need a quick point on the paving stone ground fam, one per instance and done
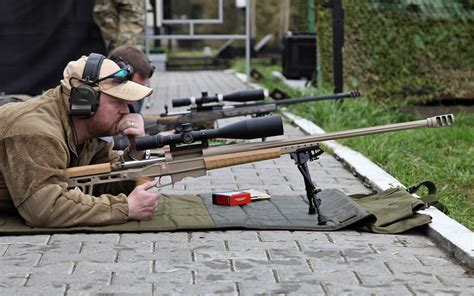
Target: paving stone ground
(233, 262)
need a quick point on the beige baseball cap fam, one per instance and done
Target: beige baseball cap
(127, 90)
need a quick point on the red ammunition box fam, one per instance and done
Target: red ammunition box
(231, 198)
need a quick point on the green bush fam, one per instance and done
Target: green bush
(403, 51)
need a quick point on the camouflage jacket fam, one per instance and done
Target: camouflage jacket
(37, 144)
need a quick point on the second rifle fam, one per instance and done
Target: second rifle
(201, 113)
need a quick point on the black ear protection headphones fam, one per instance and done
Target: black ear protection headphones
(84, 99)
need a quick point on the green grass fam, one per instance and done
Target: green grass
(442, 155)
(188, 53)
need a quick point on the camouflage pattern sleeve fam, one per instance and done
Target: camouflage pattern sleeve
(121, 21)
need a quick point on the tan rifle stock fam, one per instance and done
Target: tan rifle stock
(156, 118)
(196, 162)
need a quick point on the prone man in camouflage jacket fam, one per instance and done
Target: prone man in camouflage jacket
(42, 137)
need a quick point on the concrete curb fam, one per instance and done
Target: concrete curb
(454, 237)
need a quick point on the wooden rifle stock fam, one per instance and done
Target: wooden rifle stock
(94, 169)
(226, 160)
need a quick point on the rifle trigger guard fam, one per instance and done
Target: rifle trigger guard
(159, 185)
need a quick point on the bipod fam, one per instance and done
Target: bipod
(301, 158)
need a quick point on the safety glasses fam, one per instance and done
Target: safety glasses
(122, 75)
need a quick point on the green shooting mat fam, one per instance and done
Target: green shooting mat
(191, 212)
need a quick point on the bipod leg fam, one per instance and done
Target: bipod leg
(301, 158)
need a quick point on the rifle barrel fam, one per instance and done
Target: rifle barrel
(436, 121)
(352, 94)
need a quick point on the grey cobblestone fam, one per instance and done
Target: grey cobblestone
(54, 249)
(250, 180)
(247, 277)
(12, 280)
(92, 279)
(204, 254)
(27, 239)
(176, 277)
(279, 289)
(207, 288)
(426, 260)
(268, 164)
(31, 264)
(137, 247)
(223, 188)
(3, 249)
(175, 255)
(93, 237)
(84, 267)
(126, 288)
(42, 290)
(238, 245)
(329, 264)
(225, 179)
(413, 279)
(68, 257)
(457, 280)
(215, 265)
(277, 236)
(419, 289)
(171, 237)
(199, 237)
(196, 187)
(316, 278)
(273, 180)
(176, 191)
(427, 251)
(280, 254)
(258, 266)
(341, 288)
(248, 171)
(400, 267)
(283, 191)
(223, 172)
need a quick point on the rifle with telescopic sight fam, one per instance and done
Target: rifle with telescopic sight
(204, 111)
(190, 156)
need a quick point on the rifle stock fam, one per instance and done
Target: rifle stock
(222, 161)
(156, 118)
(101, 168)
(195, 162)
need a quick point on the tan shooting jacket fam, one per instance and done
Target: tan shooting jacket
(37, 145)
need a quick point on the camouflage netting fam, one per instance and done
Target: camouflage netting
(403, 50)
